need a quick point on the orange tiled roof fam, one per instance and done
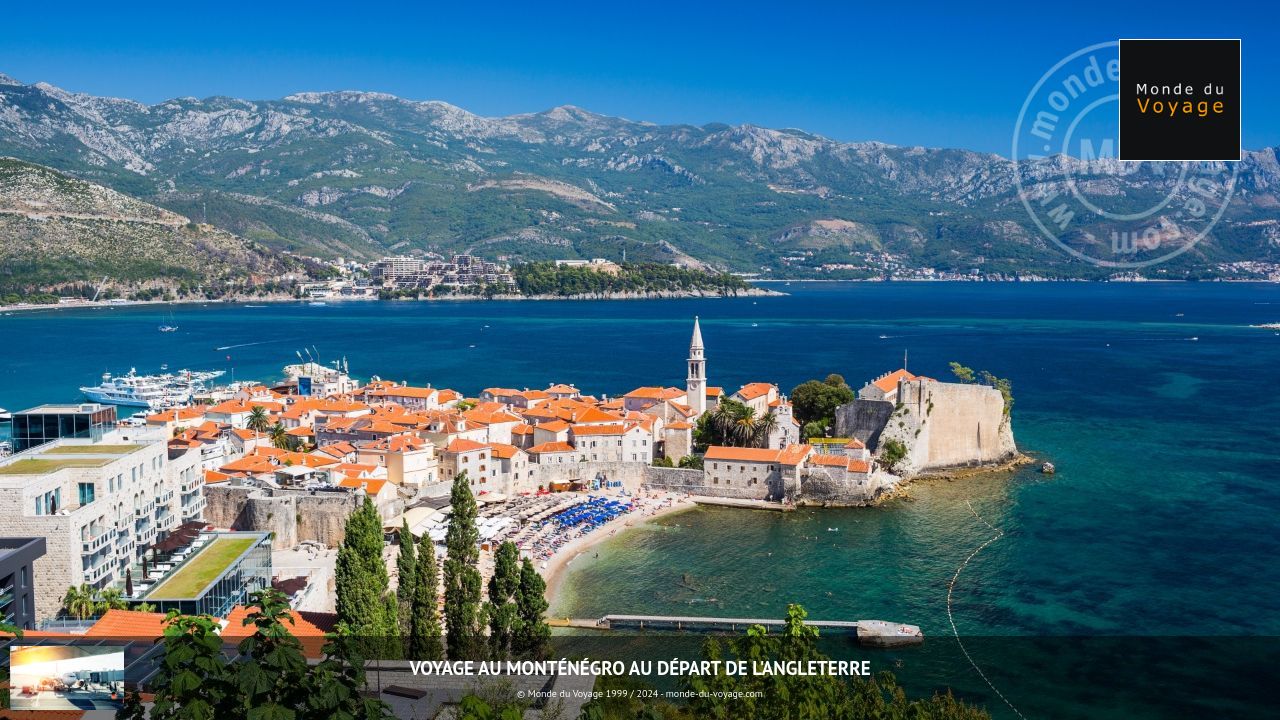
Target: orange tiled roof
(830, 460)
(128, 624)
(461, 445)
(373, 487)
(550, 447)
(504, 451)
(889, 382)
(855, 444)
(679, 425)
(751, 391)
(794, 454)
(596, 415)
(186, 413)
(213, 476)
(737, 454)
(613, 429)
(655, 393)
(562, 388)
(859, 466)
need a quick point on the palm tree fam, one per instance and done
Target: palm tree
(258, 420)
(764, 427)
(79, 601)
(111, 599)
(280, 437)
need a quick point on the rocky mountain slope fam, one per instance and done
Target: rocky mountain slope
(57, 231)
(361, 174)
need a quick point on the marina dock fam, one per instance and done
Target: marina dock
(741, 503)
(876, 633)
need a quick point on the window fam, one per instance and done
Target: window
(86, 491)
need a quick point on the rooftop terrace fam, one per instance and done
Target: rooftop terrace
(63, 454)
(203, 568)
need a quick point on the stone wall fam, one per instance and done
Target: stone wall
(695, 482)
(864, 420)
(295, 516)
(942, 425)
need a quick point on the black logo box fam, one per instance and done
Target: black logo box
(1187, 68)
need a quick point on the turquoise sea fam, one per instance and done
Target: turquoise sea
(1149, 561)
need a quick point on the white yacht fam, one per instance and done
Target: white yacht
(149, 391)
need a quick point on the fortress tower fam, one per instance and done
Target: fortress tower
(696, 385)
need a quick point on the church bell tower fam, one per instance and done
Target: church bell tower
(696, 386)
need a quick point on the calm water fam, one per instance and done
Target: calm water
(1160, 522)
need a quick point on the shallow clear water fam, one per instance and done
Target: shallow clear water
(1161, 520)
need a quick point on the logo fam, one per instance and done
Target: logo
(1082, 197)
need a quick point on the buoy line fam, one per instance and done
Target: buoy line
(951, 588)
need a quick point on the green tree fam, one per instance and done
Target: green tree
(111, 599)
(962, 373)
(462, 580)
(805, 697)
(503, 611)
(532, 637)
(258, 420)
(814, 429)
(407, 572)
(280, 438)
(693, 462)
(336, 686)
(424, 621)
(892, 452)
(734, 424)
(193, 681)
(816, 401)
(79, 601)
(663, 461)
(361, 580)
(271, 679)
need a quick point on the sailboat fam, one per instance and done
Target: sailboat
(169, 326)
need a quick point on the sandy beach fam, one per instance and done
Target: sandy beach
(656, 505)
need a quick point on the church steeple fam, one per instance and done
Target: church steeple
(696, 387)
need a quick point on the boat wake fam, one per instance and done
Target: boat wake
(951, 586)
(261, 342)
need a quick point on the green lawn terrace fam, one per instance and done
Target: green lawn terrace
(215, 574)
(66, 456)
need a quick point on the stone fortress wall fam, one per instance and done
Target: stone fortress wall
(942, 425)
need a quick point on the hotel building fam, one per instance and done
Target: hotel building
(98, 503)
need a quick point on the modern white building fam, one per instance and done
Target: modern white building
(99, 504)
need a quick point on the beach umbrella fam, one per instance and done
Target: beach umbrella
(128, 582)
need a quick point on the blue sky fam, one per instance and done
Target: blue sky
(910, 73)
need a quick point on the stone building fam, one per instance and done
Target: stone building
(98, 504)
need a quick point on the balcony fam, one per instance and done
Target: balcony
(193, 508)
(146, 535)
(165, 497)
(99, 571)
(193, 484)
(6, 596)
(145, 509)
(96, 542)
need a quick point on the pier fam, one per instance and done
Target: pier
(741, 503)
(878, 633)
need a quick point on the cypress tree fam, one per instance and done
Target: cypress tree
(503, 611)
(532, 636)
(360, 577)
(407, 568)
(461, 578)
(424, 618)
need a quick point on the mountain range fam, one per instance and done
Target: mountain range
(361, 174)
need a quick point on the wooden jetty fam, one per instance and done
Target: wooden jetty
(877, 633)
